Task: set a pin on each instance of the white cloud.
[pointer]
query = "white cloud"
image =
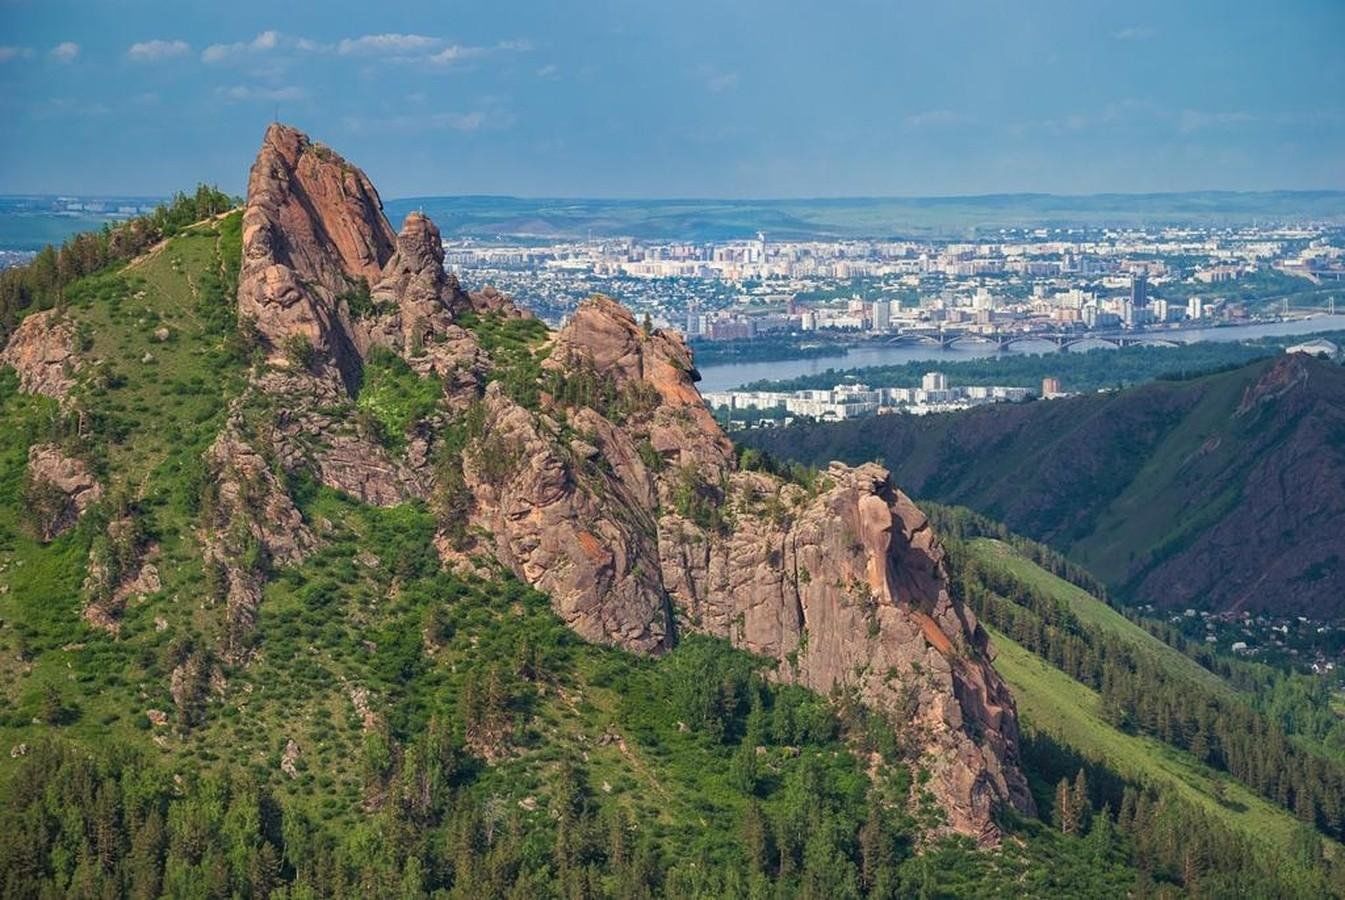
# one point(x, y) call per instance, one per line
point(399, 44)
point(455, 53)
point(240, 93)
point(65, 51)
point(935, 118)
point(8, 53)
point(267, 40)
point(152, 51)
point(549, 71)
point(1134, 33)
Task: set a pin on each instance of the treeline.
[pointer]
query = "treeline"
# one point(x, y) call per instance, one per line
point(1140, 694)
point(963, 524)
point(1299, 704)
point(1169, 841)
point(41, 284)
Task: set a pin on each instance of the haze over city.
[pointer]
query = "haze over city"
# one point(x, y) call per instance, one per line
point(752, 99)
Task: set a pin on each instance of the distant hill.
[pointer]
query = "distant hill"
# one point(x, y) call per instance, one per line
point(29, 223)
point(857, 217)
point(1221, 492)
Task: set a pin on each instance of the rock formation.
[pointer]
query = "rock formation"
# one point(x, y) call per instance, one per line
point(615, 492)
point(42, 352)
point(312, 228)
point(59, 489)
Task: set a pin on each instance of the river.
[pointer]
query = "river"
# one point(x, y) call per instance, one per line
point(725, 376)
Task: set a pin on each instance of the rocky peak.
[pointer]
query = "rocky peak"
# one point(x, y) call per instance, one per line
point(1283, 375)
point(603, 338)
point(324, 218)
point(312, 227)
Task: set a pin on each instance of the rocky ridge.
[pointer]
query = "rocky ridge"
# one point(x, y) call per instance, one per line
point(616, 493)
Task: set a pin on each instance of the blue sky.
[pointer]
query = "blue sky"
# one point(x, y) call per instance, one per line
point(734, 98)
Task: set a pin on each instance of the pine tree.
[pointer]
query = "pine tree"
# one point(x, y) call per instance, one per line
point(1066, 818)
point(757, 839)
point(1080, 803)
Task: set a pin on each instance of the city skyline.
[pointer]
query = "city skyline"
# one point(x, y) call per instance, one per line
point(622, 100)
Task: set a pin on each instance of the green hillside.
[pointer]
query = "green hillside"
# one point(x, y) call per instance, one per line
point(1093, 613)
point(1052, 702)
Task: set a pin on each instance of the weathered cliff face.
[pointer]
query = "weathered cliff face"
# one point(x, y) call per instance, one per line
point(312, 228)
point(616, 493)
point(847, 587)
point(249, 523)
point(59, 489)
point(42, 352)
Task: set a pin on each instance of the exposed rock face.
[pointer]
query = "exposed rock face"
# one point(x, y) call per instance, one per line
point(322, 270)
point(845, 585)
point(120, 568)
point(250, 521)
point(415, 302)
point(848, 588)
point(60, 489)
point(313, 226)
point(619, 496)
point(567, 528)
point(42, 352)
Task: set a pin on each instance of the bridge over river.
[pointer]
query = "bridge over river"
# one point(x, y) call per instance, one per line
point(947, 338)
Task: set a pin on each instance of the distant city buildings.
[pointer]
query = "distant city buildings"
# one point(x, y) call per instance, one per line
point(848, 401)
point(1012, 282)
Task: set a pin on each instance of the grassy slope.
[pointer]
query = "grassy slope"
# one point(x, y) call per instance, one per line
point(326, 626)
point(1156, 505)
point(1093, 612)
point(1051, 701)
point(168, 409)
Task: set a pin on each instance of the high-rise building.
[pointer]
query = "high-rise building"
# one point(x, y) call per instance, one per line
point(1050, 387)
point(882, 315)
point(1195, 308)
point(934, 381)
point(1139, 291)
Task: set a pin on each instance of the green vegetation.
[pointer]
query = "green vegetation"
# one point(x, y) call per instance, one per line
point(1093, 614)
point(394, 397)
point(402, 729)
point(763, 349)
point(516, 348)
point(42, 283)
point(1140, 711)
point(611, 775)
